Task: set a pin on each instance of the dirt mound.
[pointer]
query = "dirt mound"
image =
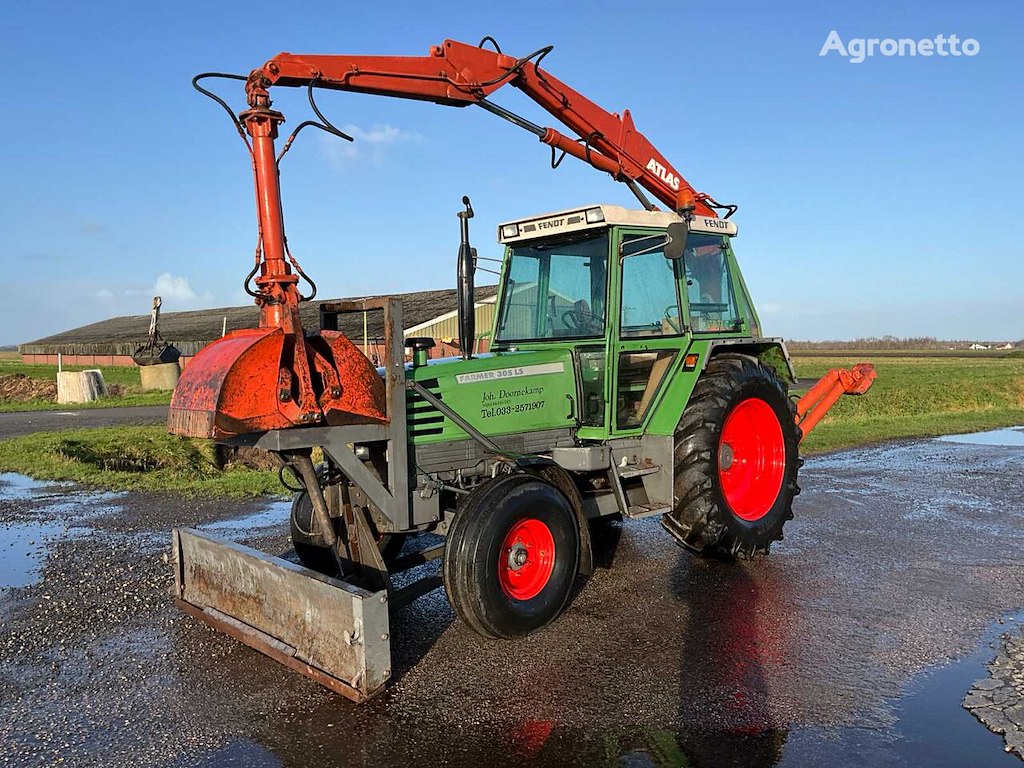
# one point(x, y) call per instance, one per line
point(19, 388)
point(228, 456)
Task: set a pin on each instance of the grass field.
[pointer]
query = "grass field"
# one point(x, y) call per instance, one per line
point(132, 458)
point(125, 377)
point(967, 354)
point(912, 397)
point(919, 397)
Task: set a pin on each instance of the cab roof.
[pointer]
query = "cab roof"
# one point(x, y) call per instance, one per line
point(597, 216)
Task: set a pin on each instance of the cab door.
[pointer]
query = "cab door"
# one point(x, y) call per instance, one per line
point(648, 334)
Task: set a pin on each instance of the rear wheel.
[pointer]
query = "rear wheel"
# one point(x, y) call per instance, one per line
point(736, 461)
point(511, 556)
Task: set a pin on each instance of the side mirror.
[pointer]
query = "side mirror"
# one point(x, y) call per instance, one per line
point(675, 240)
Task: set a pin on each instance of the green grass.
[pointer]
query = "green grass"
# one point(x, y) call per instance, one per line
point(132, 458)
point(972, 354)
point(919, 397)
point(126, 377)
point(120, 401)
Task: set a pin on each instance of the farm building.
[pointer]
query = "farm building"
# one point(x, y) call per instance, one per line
point(112, 342)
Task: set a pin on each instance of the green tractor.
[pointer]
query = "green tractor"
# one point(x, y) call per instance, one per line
point(627, 377)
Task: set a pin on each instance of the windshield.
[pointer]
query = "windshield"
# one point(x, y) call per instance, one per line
point(709, 289)
point(555, 289)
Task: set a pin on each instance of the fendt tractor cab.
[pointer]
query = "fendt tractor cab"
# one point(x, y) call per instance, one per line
point(603, 284)
point(627, 377)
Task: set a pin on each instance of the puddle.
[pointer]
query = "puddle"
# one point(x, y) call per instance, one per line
point(243, 752)
point(65, 512)
point(1008, 438)
point(268, 517)
point(933, 728)
point(14, 486)
point(22, 546)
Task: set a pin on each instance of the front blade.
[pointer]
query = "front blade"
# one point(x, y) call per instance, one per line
point(330, 631)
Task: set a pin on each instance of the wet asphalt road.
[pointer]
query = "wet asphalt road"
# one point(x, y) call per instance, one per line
point(24, 422)
point(841, 647)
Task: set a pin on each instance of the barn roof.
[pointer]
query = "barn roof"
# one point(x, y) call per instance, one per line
point(190, 331)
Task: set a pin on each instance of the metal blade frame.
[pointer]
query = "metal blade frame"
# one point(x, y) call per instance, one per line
point(334, 633)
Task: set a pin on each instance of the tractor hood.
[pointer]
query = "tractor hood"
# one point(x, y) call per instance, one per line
point(499, 393)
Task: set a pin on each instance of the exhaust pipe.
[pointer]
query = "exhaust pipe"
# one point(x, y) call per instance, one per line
point(467, 268)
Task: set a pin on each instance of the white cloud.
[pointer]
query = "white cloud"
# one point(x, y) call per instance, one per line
point(175, 290)
point(370, 144)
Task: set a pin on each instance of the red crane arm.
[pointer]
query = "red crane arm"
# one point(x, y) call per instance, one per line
point(456, 74)
point(277, 376)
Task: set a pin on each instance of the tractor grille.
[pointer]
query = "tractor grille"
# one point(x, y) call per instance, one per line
point(423, 418)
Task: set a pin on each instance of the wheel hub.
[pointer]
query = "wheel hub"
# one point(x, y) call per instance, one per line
point(517, 556)
point(527, 559)
point(751, 459)
point(725, 457)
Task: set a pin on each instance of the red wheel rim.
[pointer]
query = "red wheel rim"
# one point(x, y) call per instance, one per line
point(526, 559)
point(751, 459)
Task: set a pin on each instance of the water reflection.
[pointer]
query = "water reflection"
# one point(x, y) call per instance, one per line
point(733, 629)
point(1008, 438)
point(22, 547)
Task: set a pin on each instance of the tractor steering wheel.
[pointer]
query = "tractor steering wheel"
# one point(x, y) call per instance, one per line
point(574, 320)
point(579, 319)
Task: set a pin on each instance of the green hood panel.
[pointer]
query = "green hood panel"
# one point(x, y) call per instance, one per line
point(503, 393)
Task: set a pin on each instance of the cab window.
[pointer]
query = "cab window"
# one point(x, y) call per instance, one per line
point(650, 289)
point(555, 289)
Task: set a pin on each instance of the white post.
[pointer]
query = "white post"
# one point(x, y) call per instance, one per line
point(224, 327)
point(59, 356)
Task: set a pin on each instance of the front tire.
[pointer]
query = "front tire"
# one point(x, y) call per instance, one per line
point(320, 558)
point(736, 461)
point(511, 556)
point(313, 556)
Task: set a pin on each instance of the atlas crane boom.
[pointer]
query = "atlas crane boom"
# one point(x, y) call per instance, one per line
point(308, 371)
point(456, 74)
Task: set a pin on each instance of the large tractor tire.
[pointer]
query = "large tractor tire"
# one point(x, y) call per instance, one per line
point(736, 461)
point(511, 556)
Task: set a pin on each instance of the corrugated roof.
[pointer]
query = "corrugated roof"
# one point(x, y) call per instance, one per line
point(189, 331)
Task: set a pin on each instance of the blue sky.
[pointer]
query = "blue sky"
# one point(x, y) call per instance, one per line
point(875, 198)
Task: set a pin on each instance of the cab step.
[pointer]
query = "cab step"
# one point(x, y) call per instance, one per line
point(638, 511)
point(637, 470)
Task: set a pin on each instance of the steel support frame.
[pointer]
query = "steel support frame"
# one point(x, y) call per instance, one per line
point(392, 499)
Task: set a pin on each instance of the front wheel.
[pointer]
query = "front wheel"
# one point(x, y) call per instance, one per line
point(736, 461)
point(511, 556)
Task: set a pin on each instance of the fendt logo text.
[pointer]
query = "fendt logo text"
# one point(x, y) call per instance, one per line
point(857, 49)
